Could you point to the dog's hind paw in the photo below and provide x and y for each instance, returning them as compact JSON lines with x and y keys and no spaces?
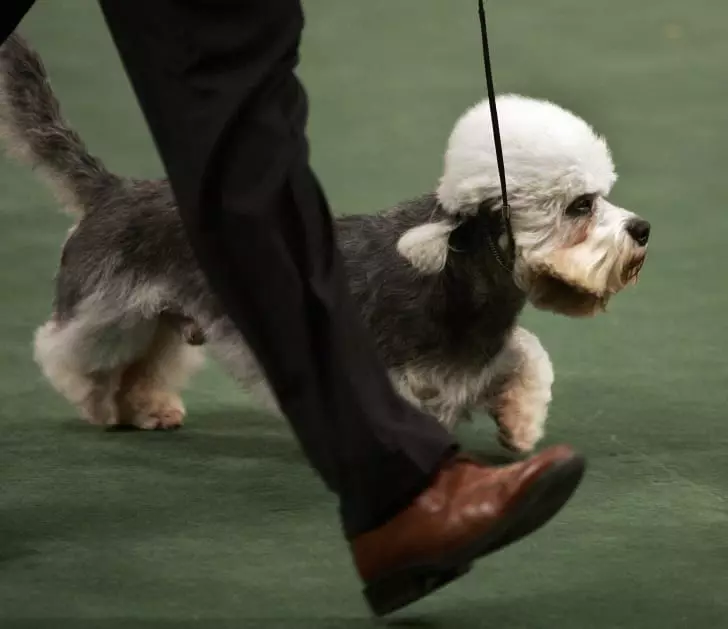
{"x":155,"y":410}
{"x":166,"y":419}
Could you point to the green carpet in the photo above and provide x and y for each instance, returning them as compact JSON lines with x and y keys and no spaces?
{"x":223,"y":524}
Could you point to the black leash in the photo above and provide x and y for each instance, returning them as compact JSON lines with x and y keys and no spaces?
{"x":505,"y":208}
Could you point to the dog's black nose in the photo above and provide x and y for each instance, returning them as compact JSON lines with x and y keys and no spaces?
{"x":639,"y":229}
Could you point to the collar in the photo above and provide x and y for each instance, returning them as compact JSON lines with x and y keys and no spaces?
{"x":491,"y":225}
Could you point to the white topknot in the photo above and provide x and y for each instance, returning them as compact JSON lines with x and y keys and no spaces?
{"x":547,"y":151}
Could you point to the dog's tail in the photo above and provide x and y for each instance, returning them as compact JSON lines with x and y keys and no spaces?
{"x":35,"y":131}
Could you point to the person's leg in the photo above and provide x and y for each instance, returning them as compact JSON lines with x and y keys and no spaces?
{"x":216,"y":82}
{"x":416,"y":517}
{"x":11,"y":13}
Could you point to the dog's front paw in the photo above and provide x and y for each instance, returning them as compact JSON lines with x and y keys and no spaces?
{"x":521,"y":442}
{"x":520,"y":421}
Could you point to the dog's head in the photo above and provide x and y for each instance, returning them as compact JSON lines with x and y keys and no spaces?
{"x":573,"y":248}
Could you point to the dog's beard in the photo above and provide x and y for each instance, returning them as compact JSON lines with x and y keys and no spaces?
{"x":555,"y":294}
{"x":579,"y":281}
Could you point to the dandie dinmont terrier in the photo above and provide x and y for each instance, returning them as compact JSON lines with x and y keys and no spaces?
{"x":431,"y":275}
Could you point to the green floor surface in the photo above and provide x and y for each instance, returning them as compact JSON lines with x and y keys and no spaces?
{"x":223,"y":524}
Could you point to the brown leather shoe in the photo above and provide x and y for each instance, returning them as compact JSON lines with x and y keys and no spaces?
{"x":469,"y":511}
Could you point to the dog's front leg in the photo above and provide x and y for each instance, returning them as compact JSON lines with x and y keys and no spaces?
{"x":520,"y":395}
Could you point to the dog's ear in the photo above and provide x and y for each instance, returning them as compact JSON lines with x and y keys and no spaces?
{"x":426,"y":246}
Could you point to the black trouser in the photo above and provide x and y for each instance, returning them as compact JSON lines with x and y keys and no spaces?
{"x":216,"y":82}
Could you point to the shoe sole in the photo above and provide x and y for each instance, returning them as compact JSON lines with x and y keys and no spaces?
{"x":541,"y":502}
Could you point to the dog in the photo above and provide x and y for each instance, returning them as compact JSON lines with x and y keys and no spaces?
{"x":433,"y":277}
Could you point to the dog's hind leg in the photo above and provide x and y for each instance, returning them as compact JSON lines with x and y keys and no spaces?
{"x":148,"y":395}
{"x":81,"y":363}
{"x":520,"y":394}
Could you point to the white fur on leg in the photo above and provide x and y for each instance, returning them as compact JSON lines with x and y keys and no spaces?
{"x":83,"y":357}
{"x":446,"y":392}
{"x":515,"y":388}
{"x":90,"y":391}
{"x":520,"y":402}
{"x":57,"y":364}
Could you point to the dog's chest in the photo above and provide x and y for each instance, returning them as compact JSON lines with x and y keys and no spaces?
{"x":457,"y":334}
{"x":462,"y":316}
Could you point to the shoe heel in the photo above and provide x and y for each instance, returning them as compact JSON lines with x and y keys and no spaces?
{"x":392,"y":592}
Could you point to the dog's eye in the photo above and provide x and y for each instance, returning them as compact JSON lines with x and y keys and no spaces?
{"x":581,"y":206}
